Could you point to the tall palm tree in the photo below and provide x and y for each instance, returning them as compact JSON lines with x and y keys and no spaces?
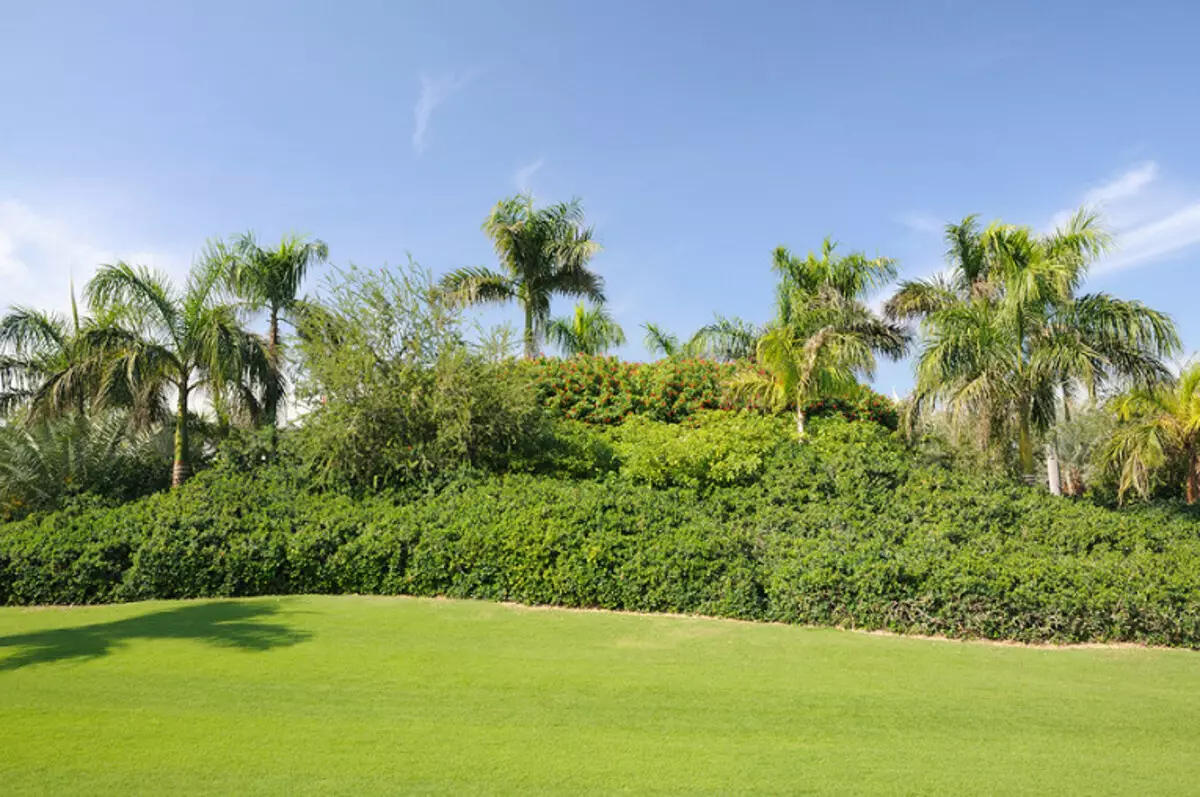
{"x":588,"y":331}
{"x":269,"y":280}
{"x":1005,"y":339}
{"x":178,"y":341}
{"x":543,"y":252}
{"x":44,"y":362}
{"x":824,"y":337}
{"x":1160,"y":427}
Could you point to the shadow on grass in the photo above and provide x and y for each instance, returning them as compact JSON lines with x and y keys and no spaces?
{"x":231,"y":624}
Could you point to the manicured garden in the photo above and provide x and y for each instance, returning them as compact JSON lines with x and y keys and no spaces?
{"x":363,"y":695}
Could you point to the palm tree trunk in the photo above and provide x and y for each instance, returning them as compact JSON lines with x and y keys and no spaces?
{"x":530,"y":339}
{"x":800,"y":419}
{"x":273,"y":334}
{"x":182,"y":468}
{"x":1192,"y":493}
{"x":271,"y":397}
{"x":1053,"y":475}
{"x":1025,"y":446}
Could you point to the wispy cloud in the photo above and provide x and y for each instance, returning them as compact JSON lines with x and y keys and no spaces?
{"x":41,"y":253}
{"x":1149,"y":222}
{"x":524,"y":175}
{"x":1127,"y":185}
{"x":434,"y":91}
{"x":1155,"y":240}
{"x":922,"y":222}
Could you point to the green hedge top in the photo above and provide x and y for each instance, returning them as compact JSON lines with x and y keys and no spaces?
{"x":607,"y":390}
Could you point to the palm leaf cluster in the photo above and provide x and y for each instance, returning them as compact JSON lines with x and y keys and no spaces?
{"x":151,"y":349}
{"x":824,"y":337}
{"x":1158,"y":437}
{"x":543,"y":252}
{"x":589,"y":330}
{"x":42,"y":463}
{"x":726,"y":339}
{"x":1006,"y":342}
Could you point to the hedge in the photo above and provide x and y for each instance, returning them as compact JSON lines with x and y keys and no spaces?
{"x":607,"y":391}
{"x":844,"y":530}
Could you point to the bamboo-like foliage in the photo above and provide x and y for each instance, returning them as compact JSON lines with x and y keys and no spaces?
{"x":543,"y":253}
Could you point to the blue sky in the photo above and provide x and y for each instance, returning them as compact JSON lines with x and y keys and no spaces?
{"x":699,"y":134}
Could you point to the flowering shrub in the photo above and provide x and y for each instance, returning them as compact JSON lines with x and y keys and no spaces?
{"x":606,"y":390}
{"x":867,"y":406}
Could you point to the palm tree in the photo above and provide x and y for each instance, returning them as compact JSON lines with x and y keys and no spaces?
{"x":824,"y":337}
{"x":1005,"y":340}
{"x":269,"y":280}
{"x":181,"y":342}
{"x":1160,"y":427}
{"x":727,"y":339}
{"x":543,"y":252}
{"x":43,"y":461}
{"x":47,"y":366}
{"x":589,"y":331}
{"x":724,"y":340}
{"x":659,"y":342}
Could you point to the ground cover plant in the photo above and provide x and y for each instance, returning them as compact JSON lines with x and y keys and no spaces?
{"x":358,"y":695}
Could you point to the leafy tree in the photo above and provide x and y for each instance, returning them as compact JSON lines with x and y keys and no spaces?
{"x":824,"y":337}
{"x":1005,"y":341}
{"x":1159,"y":433}
{"x":589,"y":331}
{"x":398,"y":395}
{"x":543,"y":252}
{"x":181,"y":342}
{"x":269,"y":280}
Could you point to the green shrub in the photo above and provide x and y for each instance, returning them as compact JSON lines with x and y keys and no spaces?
{"x":845,"y":528}
{"x":607,"y":391}
{"x":710,"y":448}
{"x":399,"y":398}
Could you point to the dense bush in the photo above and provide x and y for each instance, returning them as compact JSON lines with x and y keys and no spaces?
{"x":398,"y":397}
{"x":844,"y":529}
{"x":606,"y":390}
{"x":709,"y":448}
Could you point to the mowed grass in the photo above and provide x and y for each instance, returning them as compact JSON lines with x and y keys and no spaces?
{"x":359,"y":695}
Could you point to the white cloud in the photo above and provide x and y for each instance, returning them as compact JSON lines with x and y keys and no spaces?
{"x":524,"y":175}
{"x":1127,"y":185}
{"x":1155,"y":240}
{"x":434,"y":91}
{"x":1150,"y":223}
{"x":41,"y":254}
{"x":922,"y":222}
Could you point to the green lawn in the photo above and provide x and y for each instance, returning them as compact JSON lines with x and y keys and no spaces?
{"x":358,"y":695}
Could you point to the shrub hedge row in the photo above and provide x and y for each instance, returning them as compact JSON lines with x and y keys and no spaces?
{"x":607,"y":390}
{"x":845,"y":529}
